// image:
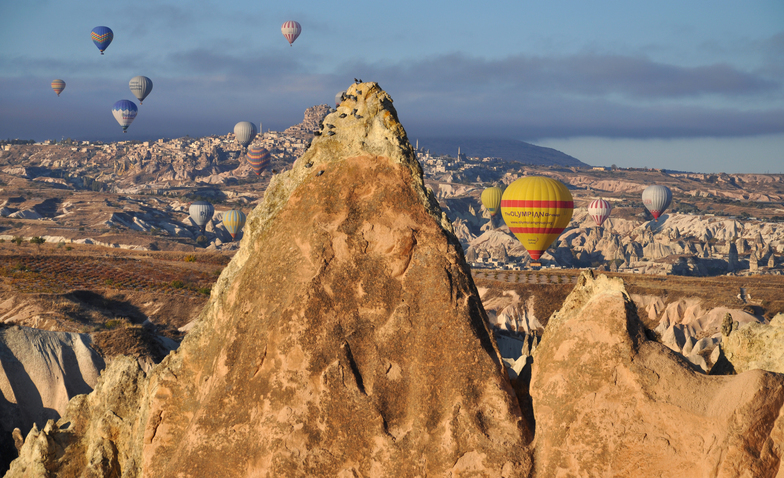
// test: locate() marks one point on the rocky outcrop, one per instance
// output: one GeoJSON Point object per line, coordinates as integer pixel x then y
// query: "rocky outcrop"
{"type": "Point", "coordinates": [633, 408]}
{"type": "Point", "coordinates": [311, 122]}
{"type": "Point", "coordinates": [41, 370]}
{"type": "Point", "coordinates": [756, 346]}
{"type": "Point", "coordinates": [318, 354]}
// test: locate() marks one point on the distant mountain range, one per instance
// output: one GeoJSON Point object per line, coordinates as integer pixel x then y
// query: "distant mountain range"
{"type": "Point", "coordinates": [507, 149]}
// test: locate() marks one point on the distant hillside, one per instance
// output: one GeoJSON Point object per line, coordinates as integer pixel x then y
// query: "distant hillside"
{"type": "Point", "coordinates": [508, 149]}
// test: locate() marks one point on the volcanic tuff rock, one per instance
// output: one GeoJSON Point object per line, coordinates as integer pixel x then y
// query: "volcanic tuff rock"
{"type": "Point", "coordinates": [345, 338]}
{"type": "Point", "coordinates": [633, 408]}
{"type": "Point", "coordinates": [40, 371]}
{"type": "Point", "coordinates": [756, 346]}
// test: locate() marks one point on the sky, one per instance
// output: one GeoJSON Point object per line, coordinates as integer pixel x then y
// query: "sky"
{"type": "Point", "coordinates": [692, 86]}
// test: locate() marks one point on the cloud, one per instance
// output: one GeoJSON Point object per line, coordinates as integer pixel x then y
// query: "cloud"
{"type": "Point", "coordinates": [587, 74]}
{"type": "Point", "coordinates": [206, 89]}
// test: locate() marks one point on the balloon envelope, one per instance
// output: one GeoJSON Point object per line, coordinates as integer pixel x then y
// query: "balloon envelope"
{"type": "Point", "coordinates": [102, 36]}
{"type": "Point", "coordinates": [291, 30]}
{"type": "Point", "coordinates": [258, 158]}
{"type": "Point", "coordinates": [599, 210]}
{"type": "Point", "coordinates": [339, 98]}
{"type": "Point", "coordinates": [491, 199]}
{"type": "Point", "coordinates": [58, 86]}
{"type": "Point", "coordinates": [656, 199]}
{"type": "Point", "coordinates": [537, 209]}
{"type": "Point", "coordinates": [124, 112]}
{"type": "Point", "coordinates": [141, 86]}
{"type": "Point", "coordinates": [233, 220]}
{"type": "Point", "coordinates": [244, 132]}
{"type": "Point", "coordinates": [201, 212]}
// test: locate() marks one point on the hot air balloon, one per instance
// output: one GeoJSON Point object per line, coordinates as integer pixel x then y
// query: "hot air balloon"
{"type": "Point", "coordinates": [656, 199]}
{"type": "Point", "coordinates": [258, 158]}
{"type": "Point", "coordinates": [291, 31]}
{"type": "Point", "coordinates": [339, 98]}
{"type": "Point", "coordinates": [124, 112]}
{"type": "Point", "coordinates": [102, 36]}
{"type": "Point", "coordinates": [141, 86]}
{"type": "Point", "coordinates": [599, 210]}
{"type": "Point", "coordinates": [491, 199]}
{"type": "Point", "coordinates": [58, 86]}
{"type": "Point", "coordinates": [233, 219]}
{"type": "Point", "coordinates": [244, 132]}
{"type": "Point", "coordinates": [537, 209]}
{"type": "Point", "coordinates": [201, 213]}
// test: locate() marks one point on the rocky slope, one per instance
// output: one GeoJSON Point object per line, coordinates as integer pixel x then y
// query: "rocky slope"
{"type": "Point", "coordinates": [338, 365]}
{"type": "Point", "coordinates": [633, 408]}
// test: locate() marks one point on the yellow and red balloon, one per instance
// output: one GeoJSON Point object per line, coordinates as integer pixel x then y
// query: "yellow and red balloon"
{"type": "Point", "coordinates": [537, 209]}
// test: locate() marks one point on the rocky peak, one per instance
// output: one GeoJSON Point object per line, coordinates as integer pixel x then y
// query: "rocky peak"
{"type": "Point", "coordinates": [345, 338]}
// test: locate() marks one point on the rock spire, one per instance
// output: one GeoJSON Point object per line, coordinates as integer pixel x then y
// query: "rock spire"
{"type": "Point", "coordinates": [345, 338]}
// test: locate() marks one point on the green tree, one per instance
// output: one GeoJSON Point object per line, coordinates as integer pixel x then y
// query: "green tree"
{"type": "Point", "coordinates": [37, 240]}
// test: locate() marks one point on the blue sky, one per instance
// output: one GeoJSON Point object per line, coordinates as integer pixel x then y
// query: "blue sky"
{"type": "Point", "coordinates": [696, 85]}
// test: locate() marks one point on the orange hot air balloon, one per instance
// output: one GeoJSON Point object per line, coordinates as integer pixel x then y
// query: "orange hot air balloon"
{"type": "Point", "coordinates": [537, 209]}
{"type": "Point", "coordinates": [491, 199]}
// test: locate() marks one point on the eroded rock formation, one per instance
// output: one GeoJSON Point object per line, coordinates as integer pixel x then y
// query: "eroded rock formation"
{"type": "Point", "coordinates": [756, 345]}
{"type": "Point", "coordinates": [345, 338]}
{"type": "Point", "coordinates": [634, 408]}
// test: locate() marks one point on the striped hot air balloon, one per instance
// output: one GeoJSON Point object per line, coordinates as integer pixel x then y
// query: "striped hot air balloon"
{"type": "Point", "coordinates": [291, 31]}
{"type": "Point", "coordinates": [599, 210]}
{"type": "Point", "coordinates": [491, 199]}
{"type": "Point", "coordinates": [339, 98]}
{"type": "Point", "coordinates": [258, 158]}
{"type": "Point", "coordinates": [124, 112]}
{"type": "Point", "coordinates": [244, 132]}
{"type": "Point", "coordinates": [102, 36]}
{"type": "Point", "coordinates": [140, 86]}
{"type": "Point", "coordinates": [656, 199]}
{"type": "Point", "coordinates": [58, 86]}
{"type": "Point", "coordinates": [537, 209]}
{"type": "Point", "coordinates": [233, 220]}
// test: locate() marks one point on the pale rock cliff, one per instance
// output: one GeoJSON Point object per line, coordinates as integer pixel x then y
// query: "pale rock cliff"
{"type": "Point", "coordinates": [756, 346]}
{"type": "Point", "coordinates": [40, 372]}
{"type": "Point", "coordinates": [609, 402]}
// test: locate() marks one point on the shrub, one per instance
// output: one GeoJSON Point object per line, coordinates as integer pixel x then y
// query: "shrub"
{"type": "Point", "coordinates": [112, 323]}
{"type": "Point", "coordinates": [204, 290]}
{"type": "Point", "coordinates": [18, 240]}
{"type": "Point", "coordinates": [190, 258]}
{"type": "Point", "coordinates": [177, 284]}
{"type": "Point", "coordinates": [68, 248]}
{"type": "Point", "coordinates": [37, 240]}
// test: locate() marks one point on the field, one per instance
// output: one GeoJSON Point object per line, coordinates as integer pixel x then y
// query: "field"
{"type": "Point", "coordinates": [90, 289]}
